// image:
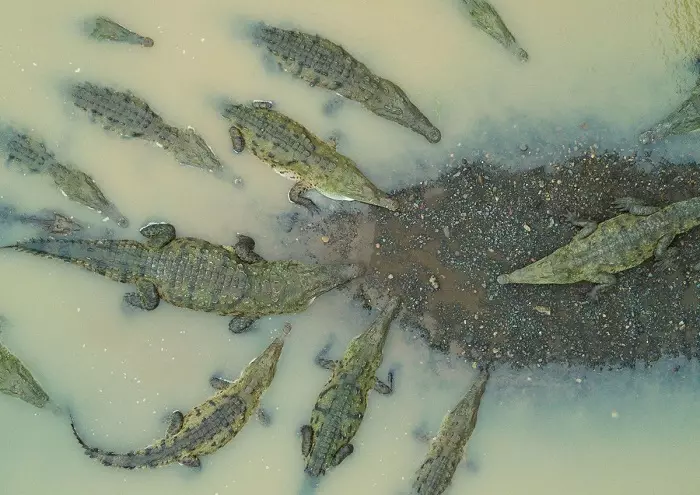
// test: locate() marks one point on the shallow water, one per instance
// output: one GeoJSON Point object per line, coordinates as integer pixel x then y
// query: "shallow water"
{"type": "Point", "coordinates": [598, 75]}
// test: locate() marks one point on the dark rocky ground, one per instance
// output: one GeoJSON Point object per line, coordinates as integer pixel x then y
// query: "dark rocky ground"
{"type": "Point", "coordinates": [456, 234]}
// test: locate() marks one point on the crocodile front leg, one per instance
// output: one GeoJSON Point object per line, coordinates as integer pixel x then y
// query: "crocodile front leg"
{"type": "Point", "coordinates": [383, 388]}
{"type": "Point", "coordinates": [635, 206]}
{"type": "Point", "coordinates": [342, 454]}
{"type": "Point", "coordinates": [146, 296]}
{"type": "Point", "coordinates": [603, 281]}
{"type": "Point", "coordinates": [158, 234]}
{"type": "Point", "coordinates": [296, 196]}
{"type": "Point", "coordinates": [322, 361]}
{"type": "Point", "coordinates": [237, 140]}
{"type": "Point", "coordinates": [245, 250]}
{"type": "Point", "coordinates": [263, 416]}
{"type": "Point", "coordinates": [587, 226]}
{"type": "Point", "coordinates": [176, 421]}
{"type": "Point", "coordinates": [240, 325]}
{"type": "Point", "coordinates": [307, 437]}
{"type": "Point", "coordinates": [665, 255]}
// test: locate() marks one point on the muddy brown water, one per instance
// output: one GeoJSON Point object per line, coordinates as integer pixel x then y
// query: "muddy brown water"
{"type": "Point", "coordinates": [598, 74]}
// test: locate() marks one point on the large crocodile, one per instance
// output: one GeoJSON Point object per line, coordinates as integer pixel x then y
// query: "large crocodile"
{"type": "Point", "coordinates": [682, 120]}
{"type": "Point", "coordinates": [598, 251]}
{"type": "Point", "coordinates": [103, 28]}
{"type": "Point", "coordinates": [206, 427]}
{"type": "Point", "coordinates": [447, 448]}
{"type": "Point", "coordinates": [485, 17]}
{"type": "Point", "coordinates": [196, 274]}
{"type": "Point", "coordinates": [341, 405]}
{"type": "Point", "coordinates": [294, 152]}
{"type": "Point", "coordinates": [130, 116]}
{"type": "Point", "coordinates": [30, 156]}
{"type": "Point", "coordinates": [50, 221]}
{"type": "Point", "coordinates": [323, 63]}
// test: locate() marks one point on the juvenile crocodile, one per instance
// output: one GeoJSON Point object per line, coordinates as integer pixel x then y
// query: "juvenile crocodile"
{"type": "Point", "coordinates": [447, 448]}
{"type": "Point", "coordinates": [50, 221]}
{"type": "Point", "coordinates": [485, 17]}
{"type": "Point", "coordinates": [210, 425]}
{"type": "Point", "coordinates": [195, 274]}
{"type": "Point", "coordinates": [294, 152]}
{"type": "Point", "coordinates": [30, 156]}
{"type": "Point", "coordinates": [341, 405]}
{"type": "Point", "coordinates": [105, 29]}
{"type": "Point", "coordinates": [684, 119]}
{"type": "Point", "coordinates": [322, 63]}
{"type": "Point", "coordinates": [131, 117]}
{"type": "Point", "coordinates": [598, 251]}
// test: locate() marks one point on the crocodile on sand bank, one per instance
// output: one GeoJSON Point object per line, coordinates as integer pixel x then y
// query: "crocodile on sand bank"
{"type": "Point", "coordinates": [206, 427]}
{"type": "Point", "coordinates": [105, 29]}
{"type": "Point", "coordinates": [30, 156]}
{"type": "Point", "coordinates": [196, 274]}
{"type": "Point", "coordinates": [126, 114]}
{"type": "Point", "coordinates": [598, 251]}
{"type": "Point", "coordinates": [322, 63]}
{"type": "Point", "coordinates": [294, 152]}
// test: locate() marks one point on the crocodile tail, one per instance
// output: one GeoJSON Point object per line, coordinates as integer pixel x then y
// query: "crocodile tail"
{"type": "Point", "coordinates": [117, 259]}
{"type": "Point", "coordinates": [310, 486]}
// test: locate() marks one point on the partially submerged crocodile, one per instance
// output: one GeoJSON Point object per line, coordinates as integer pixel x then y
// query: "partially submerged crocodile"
{"type": "Point", "coordinates": [130, 116]}
{"type": "Point", "coordinates": [206, 427]}
{"type": "Point", "coordinates": [196, 274]}
{"type": "Point", "coordinates": [447, 448]}
{"type": "Point", "coordinates": [341, 405]}
{"type": "Point", "coordinates": [322, 63]}
{"type": "Point", "coordinates": [50, 221]}
{"type": "Point", "coordinates": [294, 152]}
{"type": "Point", "coordinates": [30, 156]}
{"type": "Point", "coordinates": [598, 251]}
{"type": "Point", "coordinates": [485, 17]}
{"type": "Point", "coordinates": [103, 28]}
{"type": "Point", "coordinates": [682, 120]}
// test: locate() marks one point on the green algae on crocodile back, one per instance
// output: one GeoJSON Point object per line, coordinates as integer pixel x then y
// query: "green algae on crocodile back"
{"type": "Point", "coordinates": [322, 63]}
{"type": "Point", "coordinates": [294, 152]}
{"type": "Point", "coordinates": [446, 450]}
{"type": "Point", "coordinates": [17, 381]}
{"type": "Point", "coordinates": [102, 28]}
{"type": "Point", "coordinates": [341, 405]}
{"type": "Point", "coordinates": [128, 115]}
{"type": "Point", "coordinates": [682, 120]}
{"type": "Point", "coordinates": [598, 251]}
{"type": "Point", "coordinates": [193, 273]}
{"type": "Point", "coordinates": [485, 17]}
{"type": "Point", "coordinates": [206, 427]}
{"type": "Point", "coordinates": [30, 155]}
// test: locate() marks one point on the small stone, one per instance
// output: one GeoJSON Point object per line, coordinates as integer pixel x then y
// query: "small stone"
{"type": "Point", "coordinates": [527, 227]}
{"type": "Point", "coordinates": [614, 414]}
{"type": "Point", "coordinates": [390, 276]}
{"type": "Point", "coordinates": [523, 147]}
{"type": "Point", "coordinates": [325, 239]}
{"type": "Point", "coordinates": [434, 283]}
{"type": "Point", "coordinates": [544, 310]}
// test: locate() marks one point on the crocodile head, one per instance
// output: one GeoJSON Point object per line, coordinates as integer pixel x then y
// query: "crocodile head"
{"type": "Point", "coordinates": [62, 225]}
{"type": "Point", "coordinates": [17, 381]}
{"type": "Point", "coordinates": [258, 375]}
{"type": "Point", "coordinates": [190, 149]}
{"type": "Point", "coordinates": [391, 103]}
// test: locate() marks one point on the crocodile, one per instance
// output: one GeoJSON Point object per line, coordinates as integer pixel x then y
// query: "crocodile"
{"type": "Point", "coordinates": [341, 405]}
{"type": "Point", "coordinates": [30, 156]}
{"type": "Point", "coordinates": [447, 448]}
{"type": "Point", "coordinates": [683, 119]}
{"type": "Point", "coordinates": [130, 116]}
{"type": "Point", "coordinates": [193, 273]}
{"type": "Point", "coordinates": [208, 426]}
{"type": "Point", "coordinates": [485, 17]}
{"type": "Point", "coordinates": [295, 153]}
{"type": "Point", "coordinates": [598, 251]}
{"type": "Point", "coordinates": [103, 28]}
{"type": "Point", "coordinates": [323, 63]}
{"type": "Point", "coordinates": [50, 221]}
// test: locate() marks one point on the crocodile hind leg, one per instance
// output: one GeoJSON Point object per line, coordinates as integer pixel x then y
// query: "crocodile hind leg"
{"type": "Point", "coordinates": [635, 206]}
{"type": "Point", "coordinates": [663, 254]}
{"type": "Point", "coordinates": [240, 325]}
{"type": "Point", "coordinates": [158, 234]}
{"type": "Point", "coordinates": [587, 226]}
{"type": "Point", "coordinates": [322, 361]}
{"type": "Point", "coordinates": [342, 454]}
{"type": "Point", "coordinates": [176, 421]}
{"type": "Point", "coordinates": [146, 296]}
{"type": "Point", "coordinates": [218, 383]}
{"type": "Point", "coordinates": [603, 280]}
{"type": "Point", "coordinates": [245, 250]}
{"type": "Point", "coordinates": [296, 196]}
{"type": "Point", "coordinates": [263, 416]}
{"type": "Point", "coordinates": [307, 437]}
{"type": "Point", "coordinates": [191, 461]}
{"type": "Point", "coordinates": [237, 140]}
{"type": "Point", "coordinates": [382, 387]}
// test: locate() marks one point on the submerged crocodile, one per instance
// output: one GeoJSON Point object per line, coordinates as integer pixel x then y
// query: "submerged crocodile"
{"type": "Point", "coordinates": [128, 115]}
{"type": "Point", "coordinates": [294, 152]}
{"type": "Point", "coordinates": [447, 448]}
{"type": "Point", "coordinates": [485, 17]}
{"type": "Point", "coordinates": [684, 119]}
{"type": "Point", "coordinates": [341, 405]}
{"type": "Point", "coordinates": [30, 156]}
{"type": "Point", "coordinates": [598, 251]}
{"type": "Point", "coordinates": [322, 63]}
{"type": "Point", "coordinates": [50, 221]}
{"type": "Point", "coordinates": [196, 274]}
{"type": "Point", "coordinates": [105, 29]}
{"type": "Point", "coordinates": [210, 425]}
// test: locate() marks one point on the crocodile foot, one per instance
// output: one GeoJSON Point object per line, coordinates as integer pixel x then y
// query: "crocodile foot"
{"type": "Point", "coordinates": [296, 196]}
{"type": "Point", "coordinates": [146, 296]}
{"type": "Point", "coordinates": [263, 416]}
{"type": "Point", "coordinates": [668, 261]}
{"type": "Point", "coordinates": [240, 325]}
{"type": "Point", "coordinates": [383, 388]}
{"type": "Point", "coordinates": [158, 234]}
{"type": "Point", "coordinates": [635, 206]}
{"type": "Point", "coordinates": [587, 226]}
{"type": "Point", "coordinates": [245, 249]}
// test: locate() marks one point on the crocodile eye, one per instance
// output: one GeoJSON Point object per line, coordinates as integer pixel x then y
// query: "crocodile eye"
{"type": "Point", "coordinates": [393, 109]}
